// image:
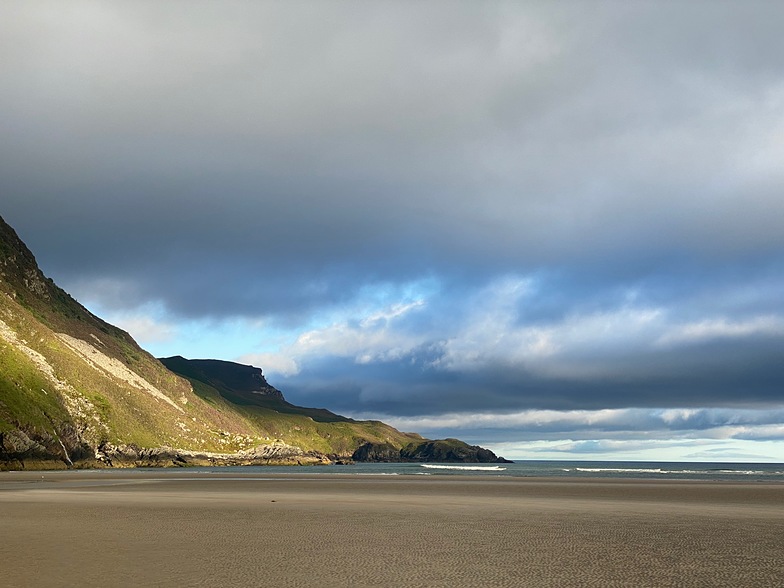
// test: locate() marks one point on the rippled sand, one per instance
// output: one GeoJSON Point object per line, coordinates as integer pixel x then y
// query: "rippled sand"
{"type": "Point", "coordinates": [187, 528]}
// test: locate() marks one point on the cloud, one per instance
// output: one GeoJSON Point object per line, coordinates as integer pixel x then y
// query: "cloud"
{"type": "Point", "coordinates": [417, 210]}
{"type": "Point", "coordinates": [436, 354]}
{"type": "Point", "coordinates": [146, 330]}
{"type": "Point", "coordinates": [658, 451]}
{"type": "Point", "coordinates": [722, 328]}
{"type": "Point", "coordinates": [622, 425]}
{"type": "Point", "coordinates": [274, 152]}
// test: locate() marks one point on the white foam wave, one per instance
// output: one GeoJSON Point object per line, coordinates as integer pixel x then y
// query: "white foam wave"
{"type": "Point", "coordinates": [468, 468]}
{"type": "Point", "coordinates": [639, 471]}
{"type": "Point", "coordinates": [742, 472]}
{"type": "Point", "coordinates": [662, 471]}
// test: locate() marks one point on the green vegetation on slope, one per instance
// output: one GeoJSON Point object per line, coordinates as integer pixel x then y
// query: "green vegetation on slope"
{"type": "Point", "coordinates": [243, 389]}
{"type": "Point", "coordinates": [26, 397]}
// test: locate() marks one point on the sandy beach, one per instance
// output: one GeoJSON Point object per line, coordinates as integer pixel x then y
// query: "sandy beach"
{"type": "Point", "coordinates": [191, 528]}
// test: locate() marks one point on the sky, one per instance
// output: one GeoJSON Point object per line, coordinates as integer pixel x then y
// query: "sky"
{"type": "Point", "coordinates": [555, 229]}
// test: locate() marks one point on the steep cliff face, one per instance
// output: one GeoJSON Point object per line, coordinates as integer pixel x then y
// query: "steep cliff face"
{"type": "Point", "coordinates": [76, 391]}
{"type": "Point", "coordinates": [243, 385]}
{"type": "Point", "coordinates": [229, 378]}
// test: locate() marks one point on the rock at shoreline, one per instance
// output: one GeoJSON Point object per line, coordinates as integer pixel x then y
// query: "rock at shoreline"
{"type": "Point", "coordinates": [276, 453]}
{"type": "Point", "coordinates": [444, 451]}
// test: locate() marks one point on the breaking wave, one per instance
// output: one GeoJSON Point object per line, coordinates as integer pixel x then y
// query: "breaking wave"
{"type": "Point", "coordinates": [636, 470]}
{"type": "Point", "coordinates": [473, 468]}
{"type": "Point", "coordinates": [665, 471]}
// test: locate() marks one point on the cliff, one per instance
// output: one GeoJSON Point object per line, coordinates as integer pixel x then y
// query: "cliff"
{"type": "Point", "coordinates": [76, 391]}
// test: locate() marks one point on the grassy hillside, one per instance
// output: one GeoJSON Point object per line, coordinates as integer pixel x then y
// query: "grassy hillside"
{"type": "Point", "coordinates": [231, 386]}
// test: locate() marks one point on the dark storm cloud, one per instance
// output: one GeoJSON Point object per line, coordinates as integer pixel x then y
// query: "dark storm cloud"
{"type": "Point", "coordinates": [714, 374]}
{"type": "Point", "coordinates": [353, 136]}
{"type": "Point", "coordinates": [592, 189]}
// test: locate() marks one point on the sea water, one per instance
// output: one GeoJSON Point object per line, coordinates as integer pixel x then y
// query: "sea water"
{"type": "Point", "coordinates": [579, 469]}
{"type": "Point", "coordinates": [707, 471]}
{"type": "Point", "coordinates": [553, 469]}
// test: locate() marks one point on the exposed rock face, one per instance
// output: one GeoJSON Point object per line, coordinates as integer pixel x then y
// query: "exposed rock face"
{"type": "Point", "coordinates": [18, 446]}
{"type": "Point", "coordinates": [377, 452]}
{"type": "Point", "coordinates": [42, 449]}
{"type": "Point", "coordinates": [276, 453]}
{"type": "Point", "coordinates": [18, 265]}
{"type": "Point", "coordinates": [447, 450]}
{"type": "Point", "coordinates": [273, 451]}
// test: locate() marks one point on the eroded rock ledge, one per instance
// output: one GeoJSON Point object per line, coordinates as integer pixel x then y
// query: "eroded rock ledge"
{"type": "Point", "coordinates": [20, 451]}
{"type": "Point", "coordinates": [277, 453]}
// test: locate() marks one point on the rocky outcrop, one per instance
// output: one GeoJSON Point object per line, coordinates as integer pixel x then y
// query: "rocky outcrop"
{"type": "Point", "coordinates": [17, 446]}
{"type": "Point", "coordinates": [444, 451]}
{"type": "Point", "coordinates": [276, 453]}
{"type": "Point", "coordinates": [449, 450]}
{"type": "Point", "coordinates": [377, 452]}
{"type": "Point", "coordinates": [28, 449]}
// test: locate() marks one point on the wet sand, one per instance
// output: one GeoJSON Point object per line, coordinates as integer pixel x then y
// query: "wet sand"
{"type": "Point", "coordinates": [191, 528]}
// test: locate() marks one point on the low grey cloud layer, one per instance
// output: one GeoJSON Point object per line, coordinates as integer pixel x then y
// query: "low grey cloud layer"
{"type": "Point", "coordinates": [440, 208]}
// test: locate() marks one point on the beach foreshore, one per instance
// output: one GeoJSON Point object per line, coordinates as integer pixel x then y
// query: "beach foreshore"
{"type": "Point", "coordinates": [208, 528]}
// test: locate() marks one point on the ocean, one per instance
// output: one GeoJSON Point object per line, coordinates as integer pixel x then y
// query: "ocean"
{"type": "Point", "coordinates": [653, 470]}
{"type": "Point", "coordinates": [581, 469]}
{"type": "Point", "coordinates": [712, 471]}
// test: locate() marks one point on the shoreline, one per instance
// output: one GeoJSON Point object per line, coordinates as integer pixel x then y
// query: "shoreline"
{"type": "Point", "coordinates": [189, 527]}
{"type": "Point", "coordinates": [321, 471]}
